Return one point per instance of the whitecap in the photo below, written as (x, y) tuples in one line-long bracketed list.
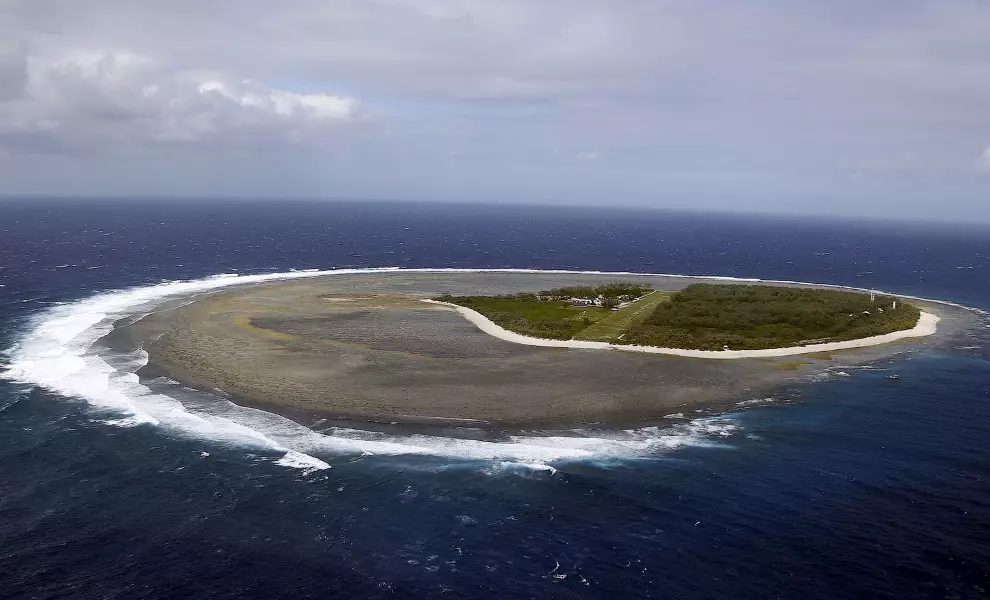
[(58, 352), (521, 468), (297, 460)]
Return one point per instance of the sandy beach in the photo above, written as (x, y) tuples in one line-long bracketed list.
[(367, 347), (927, 325)]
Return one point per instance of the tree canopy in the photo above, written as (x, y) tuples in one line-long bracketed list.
[(705, 316), (715, 316)]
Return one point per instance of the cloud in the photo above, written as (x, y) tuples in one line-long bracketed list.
[(793, 95), (983, 164), (91, 98), (13, 71), (474, 49)]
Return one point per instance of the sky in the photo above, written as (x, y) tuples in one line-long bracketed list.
[(848, 107)]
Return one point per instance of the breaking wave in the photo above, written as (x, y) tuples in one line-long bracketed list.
[(58, 352)]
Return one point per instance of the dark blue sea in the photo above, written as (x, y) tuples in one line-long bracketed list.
[(854, 486)]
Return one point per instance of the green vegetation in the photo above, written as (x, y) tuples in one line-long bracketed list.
[(743, 317), (613, 325), (523, 313), (702, 316), (549, 313), (621, 290)]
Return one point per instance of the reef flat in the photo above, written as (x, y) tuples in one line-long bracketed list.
[(367, 347)]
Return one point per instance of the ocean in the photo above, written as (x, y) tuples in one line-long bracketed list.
[(859, 482)]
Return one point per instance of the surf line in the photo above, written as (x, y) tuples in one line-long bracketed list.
[(56, 351), (926, 325)]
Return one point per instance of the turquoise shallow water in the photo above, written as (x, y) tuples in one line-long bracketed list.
[(857, 484)]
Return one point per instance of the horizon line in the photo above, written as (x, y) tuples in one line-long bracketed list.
[(187, 198)]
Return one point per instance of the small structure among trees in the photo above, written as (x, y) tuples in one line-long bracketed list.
[(609, 295)]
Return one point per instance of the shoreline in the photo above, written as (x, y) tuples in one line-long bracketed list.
[(365, 348), (927, 325), (776, 393)]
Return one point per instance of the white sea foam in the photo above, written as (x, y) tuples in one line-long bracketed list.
[(522, 469), (536, 467), (756, 401), (57, 352), (305, 462)]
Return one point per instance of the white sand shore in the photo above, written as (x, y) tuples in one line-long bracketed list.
[(927, 324)]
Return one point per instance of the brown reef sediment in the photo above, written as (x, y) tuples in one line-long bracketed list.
[(365, 347)]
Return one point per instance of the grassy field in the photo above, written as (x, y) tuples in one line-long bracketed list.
[(613, 325), (557, 319), (552, 319)]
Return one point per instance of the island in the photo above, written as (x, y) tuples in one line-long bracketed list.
[(396, 348), (702, 316)]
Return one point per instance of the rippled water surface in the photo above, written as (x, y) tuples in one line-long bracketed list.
[(867, 482)]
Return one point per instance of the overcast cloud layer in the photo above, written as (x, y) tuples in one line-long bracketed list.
[(847, 107)]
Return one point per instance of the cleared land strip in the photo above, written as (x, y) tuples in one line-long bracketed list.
[(610, 327)]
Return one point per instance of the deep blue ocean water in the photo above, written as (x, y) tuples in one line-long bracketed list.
[(858, 486)]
